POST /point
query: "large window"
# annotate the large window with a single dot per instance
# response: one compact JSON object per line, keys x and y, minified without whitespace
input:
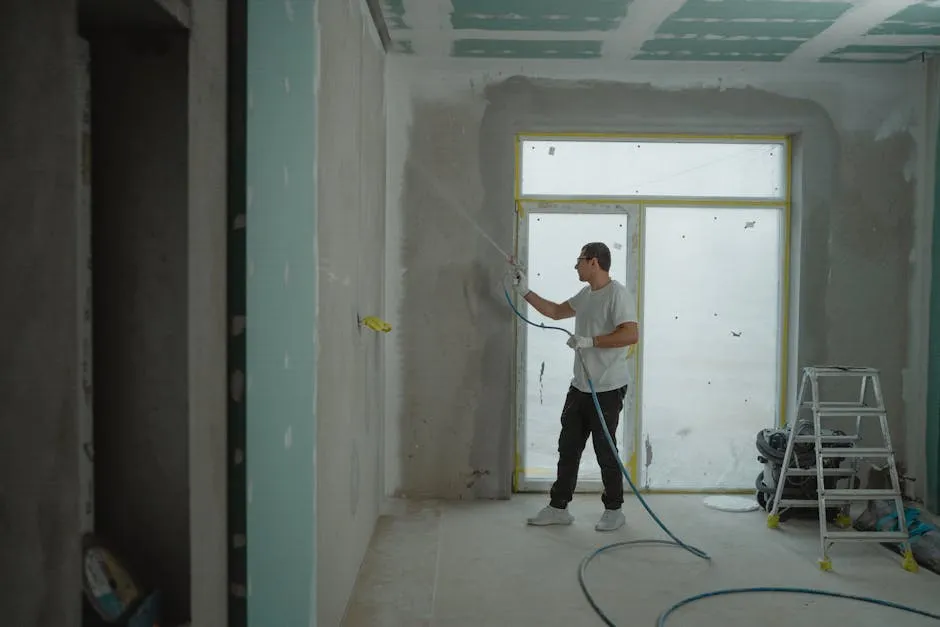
{"x":697,"y":228}
{"x":753,"y":170}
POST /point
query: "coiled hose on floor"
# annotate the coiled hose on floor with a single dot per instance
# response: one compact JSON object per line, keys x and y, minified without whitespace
{"x":582,"y":569}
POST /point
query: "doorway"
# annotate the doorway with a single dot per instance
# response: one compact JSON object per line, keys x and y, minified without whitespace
{"x":549,"y":244}
{"x":698,"y":231}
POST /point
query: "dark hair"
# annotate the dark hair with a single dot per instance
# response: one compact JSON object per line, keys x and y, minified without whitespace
{"x":599,"y":251}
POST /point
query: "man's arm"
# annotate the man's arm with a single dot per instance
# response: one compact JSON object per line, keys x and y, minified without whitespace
{"x":625,"y":334}
{"x":555,"y":311}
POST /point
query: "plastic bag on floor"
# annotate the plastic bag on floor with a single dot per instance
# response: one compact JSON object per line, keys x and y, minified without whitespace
{"x":925,"y":538}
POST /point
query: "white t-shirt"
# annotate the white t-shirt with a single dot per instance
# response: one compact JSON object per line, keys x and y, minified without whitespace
{"x":599,"y":313}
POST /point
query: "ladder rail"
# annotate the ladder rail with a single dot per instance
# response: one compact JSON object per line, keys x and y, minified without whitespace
{"x":862,"y":395}
{"x":892,"y":463}
{"x":820,"y":478}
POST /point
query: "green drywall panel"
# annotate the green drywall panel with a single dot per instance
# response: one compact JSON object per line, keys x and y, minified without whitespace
{"x":917,"y":19}
{"x":689,"y":49}
{"x":281,"y":294}
{"x":545,"y":15}
{"x":876,"y":54}
{"x":682,"y":55}
{"x":756,"y":10}
{"x":528,"y":49}
{"x":739,"y":30}
{"x":932,"y":440}
{"x":394,"y":13}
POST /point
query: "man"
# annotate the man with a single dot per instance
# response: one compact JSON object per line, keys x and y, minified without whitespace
{"x":605,"y":325}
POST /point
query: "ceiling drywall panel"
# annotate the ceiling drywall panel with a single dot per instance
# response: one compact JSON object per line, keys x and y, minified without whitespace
{"x":779,"y":31}
{"x":922,"y":18}
{"x":547,"y":15}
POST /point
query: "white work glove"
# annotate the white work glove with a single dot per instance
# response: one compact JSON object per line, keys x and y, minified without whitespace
{"x":519,"y":282}
{"x":576,"y":342}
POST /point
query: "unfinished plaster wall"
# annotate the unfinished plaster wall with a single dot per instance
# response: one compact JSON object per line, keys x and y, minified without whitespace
{"x":859,"y":199}
{"x":351,"y":226}
{"x":40,"y":544}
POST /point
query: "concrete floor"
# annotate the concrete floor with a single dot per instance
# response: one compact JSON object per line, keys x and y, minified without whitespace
{"x":463,"y":564}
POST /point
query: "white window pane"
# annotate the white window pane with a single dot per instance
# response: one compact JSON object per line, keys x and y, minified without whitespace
{"x":554,"y":242}
{"x":653,"y":169}
{"x":709,"y":335}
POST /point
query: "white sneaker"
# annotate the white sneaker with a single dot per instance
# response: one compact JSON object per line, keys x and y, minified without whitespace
{"x":611,"y":520}
{"x":551,"y":516}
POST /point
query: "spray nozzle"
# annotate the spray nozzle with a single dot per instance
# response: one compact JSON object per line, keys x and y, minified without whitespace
{"x":515,"y":264}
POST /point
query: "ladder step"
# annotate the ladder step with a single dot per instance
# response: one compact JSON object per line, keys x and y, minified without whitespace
{"x":860,"y":495}
{"x":837,"y":404}
{"x":832,"y":439}
{"x":855,"y":452}
{"x":828,"y":472}
{"x":840,"y":405}
{"x":813,"y":502}
{"x":841,"y":371}
{"x":798,"y":503}
{"x":866,"y":536}
{"x":850,"y":412}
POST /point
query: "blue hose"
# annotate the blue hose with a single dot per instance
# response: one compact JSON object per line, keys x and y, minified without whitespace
{"x":676,"y":542}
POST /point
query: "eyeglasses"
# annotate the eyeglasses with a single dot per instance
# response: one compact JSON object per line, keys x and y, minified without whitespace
{"x":580,"y":259}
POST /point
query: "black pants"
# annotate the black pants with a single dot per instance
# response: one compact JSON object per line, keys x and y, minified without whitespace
{"x":578,"y":420}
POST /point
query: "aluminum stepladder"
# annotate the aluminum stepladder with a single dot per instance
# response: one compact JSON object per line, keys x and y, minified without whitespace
{"x":842,"y":446}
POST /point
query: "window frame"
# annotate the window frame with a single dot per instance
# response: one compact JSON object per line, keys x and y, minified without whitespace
{"x":519,"y":482}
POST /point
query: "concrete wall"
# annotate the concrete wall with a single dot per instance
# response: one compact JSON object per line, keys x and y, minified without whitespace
{"x":206,"y":342}
{"x":145,"y":342}
{"x":140,"y":241}
{"x":856,"y":248}
{"x":351,"y":225}
{"x":160,"y":173}
{"x":40,"y":553}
